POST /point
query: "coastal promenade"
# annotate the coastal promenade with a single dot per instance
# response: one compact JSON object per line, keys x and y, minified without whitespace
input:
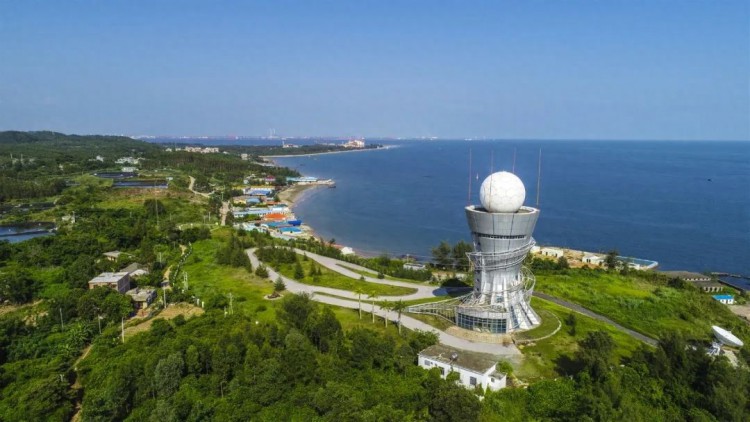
{"x":347,"y":299}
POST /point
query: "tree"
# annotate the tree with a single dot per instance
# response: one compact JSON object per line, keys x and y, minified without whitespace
{"x":261,"y":271}
{"x":386,"y":306}
{"x":17,"y":285}
{"x":459,"y":253}
{"x":399,"y":307}
{"x":451,"y":402}
{"x":611,"y":261}
{"x":168,"y":374}
{"x":372,"y":297}
{"x":279,"y":285}
{"x":562,"y":263}
{"x":441,"y":255}
{"x":296,"y":309}
{"x":299,"y":273}
{"x":359,"y":292}
{"x":571,"y":322}
{"x":595,"y":354}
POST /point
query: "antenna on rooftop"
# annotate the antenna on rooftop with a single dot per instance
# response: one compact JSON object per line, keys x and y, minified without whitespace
{"x":539,"y":178}
{"x":468,"y":200}
{"x":514,"y":161}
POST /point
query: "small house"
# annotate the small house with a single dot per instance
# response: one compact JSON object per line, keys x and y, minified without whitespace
{"x":725,"y":299}
{"x":119,"y":281}
{"x":552,"y":252}
{"x":595,"y":260}
{"x":474,"y":369}
{"x":142,"y":297}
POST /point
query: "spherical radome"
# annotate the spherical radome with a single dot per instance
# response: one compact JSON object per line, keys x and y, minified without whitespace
{"x":502,"y":192}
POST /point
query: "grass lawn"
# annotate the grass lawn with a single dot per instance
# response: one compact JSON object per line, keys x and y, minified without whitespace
{"x":207,"y":279}
{"x":549,"y":324}
{"x":328,"y":278}
{"x":373,"y":273}
{"x":179,"y":206}
{"x":642,"y":304}
{"x":552,"y":357}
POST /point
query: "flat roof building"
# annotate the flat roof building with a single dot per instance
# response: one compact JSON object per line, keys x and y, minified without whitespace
{"x":725,"y":299}
{"x":701,"y":281}
{"x":119,"y":281}
{"x":474,"y":369}
{"x":552,"y":252}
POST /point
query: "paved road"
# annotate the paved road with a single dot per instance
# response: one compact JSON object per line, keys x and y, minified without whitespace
{"x":224,"y":212}
{"x":424,"y":290}
{"x":349,"y":300}
{"x":580,"y":309}
{"x":190,"y":188}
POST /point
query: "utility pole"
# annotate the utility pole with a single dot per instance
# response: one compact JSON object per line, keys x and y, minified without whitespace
{"x":231,"y":308}
{"x":122,"y":328}
{"x":99,"y":320}
{"x":61,"y":320}
{"x":165,"y":298}
{"x":185,"y":284}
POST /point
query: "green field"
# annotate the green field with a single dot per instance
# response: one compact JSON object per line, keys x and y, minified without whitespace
{"x":373,"y":273}
{"x":645,"y":305}
{"x":209,"y":280}
{"x":551,"y":357}
{"x":328,"y":278}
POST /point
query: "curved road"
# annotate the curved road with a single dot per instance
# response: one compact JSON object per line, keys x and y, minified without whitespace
{"x":348,"y":299}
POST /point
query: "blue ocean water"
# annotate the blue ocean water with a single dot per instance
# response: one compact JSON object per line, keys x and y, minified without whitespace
{"x":684,"y":204}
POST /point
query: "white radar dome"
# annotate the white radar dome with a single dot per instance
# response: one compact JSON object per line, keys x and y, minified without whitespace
{"x":502,"y":192}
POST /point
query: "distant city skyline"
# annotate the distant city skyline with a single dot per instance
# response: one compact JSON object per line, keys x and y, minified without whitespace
{"x":616,"y":70}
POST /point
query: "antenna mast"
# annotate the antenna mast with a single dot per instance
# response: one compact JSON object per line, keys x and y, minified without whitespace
{"x":539,"y":178}
{"x":514,"y":161}
{"x":468,"y":200}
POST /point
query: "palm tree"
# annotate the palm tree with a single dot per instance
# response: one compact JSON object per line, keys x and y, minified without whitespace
{"x":399,"y":307}
{"x":359,"y":292}
{"x":387,"y":307}
{"x":372,"y":297}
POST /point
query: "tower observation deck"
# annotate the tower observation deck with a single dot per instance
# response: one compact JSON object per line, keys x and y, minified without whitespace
{"x":501,"y":230}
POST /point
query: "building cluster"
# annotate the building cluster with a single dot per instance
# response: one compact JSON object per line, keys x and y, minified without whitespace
{"x":704,"y":283}
{"x":200,"y":150}
{"x":120,"y":281}
{"x":354,"y":143}
{"x":582,"y":258}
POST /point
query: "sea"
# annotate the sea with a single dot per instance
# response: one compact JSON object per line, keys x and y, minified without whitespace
{"x":683,"y":204}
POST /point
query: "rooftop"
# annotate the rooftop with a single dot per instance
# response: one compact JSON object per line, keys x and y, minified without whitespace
{"x":109,"y":277}
{"x":141,"y":295}
{"x":686,"y":275}
{"x":473,"y":361}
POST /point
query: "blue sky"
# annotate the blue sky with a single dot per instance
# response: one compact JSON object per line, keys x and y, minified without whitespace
{"x":523,"y":69}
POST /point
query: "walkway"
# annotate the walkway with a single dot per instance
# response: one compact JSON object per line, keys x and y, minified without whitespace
{"x":581,"y":310}
{"x":348,"y":299}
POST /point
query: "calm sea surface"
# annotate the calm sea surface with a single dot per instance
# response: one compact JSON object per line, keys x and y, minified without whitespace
{"x":684,"y":204}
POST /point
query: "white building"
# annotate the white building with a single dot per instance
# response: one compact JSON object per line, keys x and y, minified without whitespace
{"x":346,"y":250}
{"x":725,"y":299}
{"x":355,"y":143}
{"x":552,"y":252}
{"x":414,"y":266}
{"x":593,"y":260}
{"x":474,"y":369}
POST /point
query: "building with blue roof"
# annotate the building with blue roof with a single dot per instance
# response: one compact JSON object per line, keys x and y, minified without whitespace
{"x":725,"y":299}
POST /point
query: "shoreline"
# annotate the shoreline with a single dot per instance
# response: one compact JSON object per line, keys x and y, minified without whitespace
{"x":271,"y":157}
{"x":294,"y":195}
